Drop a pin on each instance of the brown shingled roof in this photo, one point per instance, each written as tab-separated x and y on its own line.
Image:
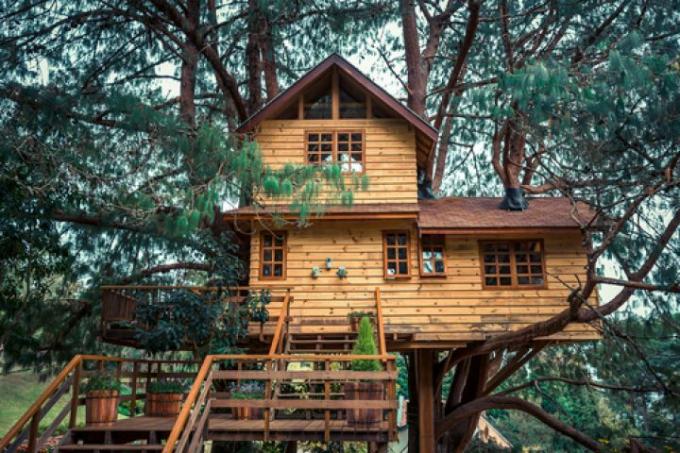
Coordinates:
483	212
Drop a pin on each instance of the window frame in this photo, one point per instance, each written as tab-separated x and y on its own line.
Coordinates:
513	264
397	260
284	235
334	147
421	261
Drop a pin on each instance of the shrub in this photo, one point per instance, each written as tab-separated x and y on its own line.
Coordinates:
365	345
101	381
165	386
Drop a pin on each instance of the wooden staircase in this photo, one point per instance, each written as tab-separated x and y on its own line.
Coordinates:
303	378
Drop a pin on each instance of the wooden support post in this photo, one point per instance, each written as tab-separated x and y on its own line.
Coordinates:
301	107
75	396
291	446
335	95
33	433
369	106
425	381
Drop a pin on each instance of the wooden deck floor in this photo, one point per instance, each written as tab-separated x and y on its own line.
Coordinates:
227	428
141	423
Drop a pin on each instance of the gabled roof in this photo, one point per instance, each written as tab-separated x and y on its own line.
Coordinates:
281	100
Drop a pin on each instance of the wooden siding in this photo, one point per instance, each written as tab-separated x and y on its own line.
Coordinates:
390	155
452	308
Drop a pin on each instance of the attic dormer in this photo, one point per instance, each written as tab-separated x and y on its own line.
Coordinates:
335	114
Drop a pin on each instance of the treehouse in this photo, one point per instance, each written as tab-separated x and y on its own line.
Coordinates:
432	274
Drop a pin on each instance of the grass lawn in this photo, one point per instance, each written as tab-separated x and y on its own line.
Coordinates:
19	391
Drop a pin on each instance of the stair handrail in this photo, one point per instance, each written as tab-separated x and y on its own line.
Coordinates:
380	322
283	319
32	414
189	402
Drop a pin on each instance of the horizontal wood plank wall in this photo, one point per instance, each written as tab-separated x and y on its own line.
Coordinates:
390	154
435	309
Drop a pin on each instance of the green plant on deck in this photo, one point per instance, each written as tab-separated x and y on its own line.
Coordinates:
360	314
365	345
102	382
257	305
166	386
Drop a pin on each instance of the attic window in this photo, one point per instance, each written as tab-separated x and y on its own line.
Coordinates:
352	101
513	264
318	101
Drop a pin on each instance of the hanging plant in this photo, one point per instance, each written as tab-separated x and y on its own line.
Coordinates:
342	272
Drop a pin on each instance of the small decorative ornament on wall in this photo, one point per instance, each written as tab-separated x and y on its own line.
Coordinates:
316	271
329	263
342	272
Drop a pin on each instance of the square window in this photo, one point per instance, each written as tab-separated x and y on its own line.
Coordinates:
518	263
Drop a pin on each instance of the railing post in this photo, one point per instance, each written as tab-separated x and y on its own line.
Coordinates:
392	396
75	396
326	397
133	401
33	434
269	367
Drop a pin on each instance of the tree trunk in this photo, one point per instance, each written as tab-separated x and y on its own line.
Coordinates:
187	104
412	408
416	80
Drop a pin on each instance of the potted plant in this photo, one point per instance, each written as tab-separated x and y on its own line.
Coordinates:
356	316
164	398
246	392
102	393
362	390
341	272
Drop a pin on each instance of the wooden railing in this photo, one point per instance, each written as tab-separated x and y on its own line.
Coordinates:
323	377
120	304
134	374
282	326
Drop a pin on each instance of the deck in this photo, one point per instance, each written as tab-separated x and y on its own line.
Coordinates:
295	392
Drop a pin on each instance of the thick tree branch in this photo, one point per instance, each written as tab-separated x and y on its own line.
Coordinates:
512	403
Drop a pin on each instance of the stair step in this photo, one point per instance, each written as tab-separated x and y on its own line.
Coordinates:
109	447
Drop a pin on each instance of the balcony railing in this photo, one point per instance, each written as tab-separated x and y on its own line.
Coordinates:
120	305
135	376
283	397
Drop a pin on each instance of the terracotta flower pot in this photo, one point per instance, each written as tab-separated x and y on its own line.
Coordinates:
101	406
247	413
163	404
364	391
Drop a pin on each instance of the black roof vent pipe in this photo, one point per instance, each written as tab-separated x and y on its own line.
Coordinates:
514	200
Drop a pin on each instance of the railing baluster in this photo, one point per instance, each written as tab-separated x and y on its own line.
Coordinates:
326	397
133	391
75	395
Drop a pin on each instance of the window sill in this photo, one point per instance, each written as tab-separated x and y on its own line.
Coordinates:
398	277
433	275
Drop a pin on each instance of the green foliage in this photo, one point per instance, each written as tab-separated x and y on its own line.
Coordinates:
101	381
166	386
365	345
360	314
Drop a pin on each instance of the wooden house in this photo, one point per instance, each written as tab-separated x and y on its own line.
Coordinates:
448	271
435	274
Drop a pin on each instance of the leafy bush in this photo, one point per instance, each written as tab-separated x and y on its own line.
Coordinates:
257	395
102	381
365	345
165	386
